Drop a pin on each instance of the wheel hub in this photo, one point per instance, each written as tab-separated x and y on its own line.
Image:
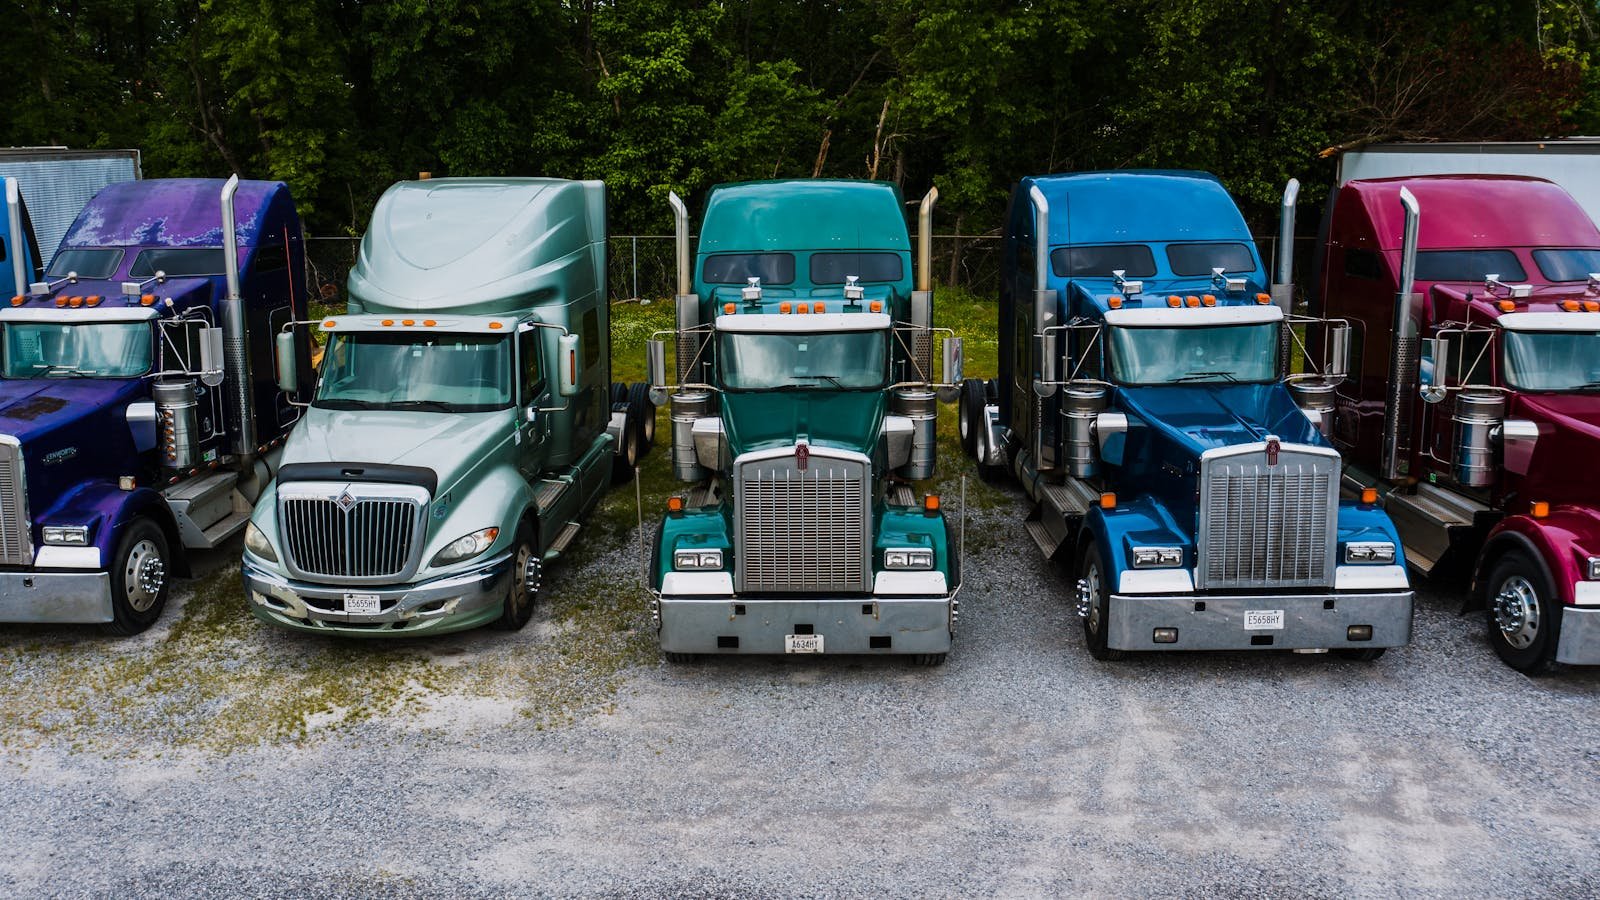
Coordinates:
145	576
1082	599
1516	612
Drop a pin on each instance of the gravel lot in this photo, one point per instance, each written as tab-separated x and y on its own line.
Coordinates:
213	756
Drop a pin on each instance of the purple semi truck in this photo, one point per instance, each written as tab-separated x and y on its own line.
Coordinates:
139	415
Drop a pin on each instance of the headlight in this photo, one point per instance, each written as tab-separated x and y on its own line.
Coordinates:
1369	552
1594	568
466	547
697	559
257	543
908	558
1157	557
67	535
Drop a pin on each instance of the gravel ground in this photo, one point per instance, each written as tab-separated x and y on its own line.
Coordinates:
215	757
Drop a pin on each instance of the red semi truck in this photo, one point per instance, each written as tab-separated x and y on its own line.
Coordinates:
1474	401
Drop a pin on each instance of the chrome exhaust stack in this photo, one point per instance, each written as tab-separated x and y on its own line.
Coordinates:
1283	281
19	244
922	297
235	343
1044	318
1402	351
685	302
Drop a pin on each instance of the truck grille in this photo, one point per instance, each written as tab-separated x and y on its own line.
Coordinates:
1268	525
16	538
346	536
802	530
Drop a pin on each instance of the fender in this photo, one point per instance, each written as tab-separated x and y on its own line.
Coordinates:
1557	541
108	509
1144	521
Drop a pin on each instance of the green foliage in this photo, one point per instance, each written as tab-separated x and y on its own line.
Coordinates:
339	99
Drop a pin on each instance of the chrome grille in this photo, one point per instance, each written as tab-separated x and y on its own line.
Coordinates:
1268	525
802	530
344	535
16	538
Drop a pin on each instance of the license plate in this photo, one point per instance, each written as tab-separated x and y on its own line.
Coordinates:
802	643
362	604
1263	619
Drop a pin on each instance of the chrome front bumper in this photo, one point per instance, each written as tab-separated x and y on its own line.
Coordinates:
1580	636
64	598
1310	621
451	603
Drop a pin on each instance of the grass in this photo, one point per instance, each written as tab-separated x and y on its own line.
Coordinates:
215	679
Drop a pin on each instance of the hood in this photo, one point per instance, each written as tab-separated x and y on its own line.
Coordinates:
451	444
1201	417
33	408
848	420
1569	430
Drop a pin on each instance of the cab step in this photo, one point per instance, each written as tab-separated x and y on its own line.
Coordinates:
226	528
1070	498
548	493
200	505
563	540
1428	520
1048	545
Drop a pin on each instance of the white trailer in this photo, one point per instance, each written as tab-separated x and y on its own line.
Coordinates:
57	182
1573	163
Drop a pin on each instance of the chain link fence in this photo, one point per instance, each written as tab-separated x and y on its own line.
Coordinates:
642	266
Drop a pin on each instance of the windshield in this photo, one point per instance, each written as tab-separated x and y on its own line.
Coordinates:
97	263
1568	265
56	350
1200	259
1216	353
831	268
444	373
738	268
1135	261
177	263
1468	265
852	360
1553	360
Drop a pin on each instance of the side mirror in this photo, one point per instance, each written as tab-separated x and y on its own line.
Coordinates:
1048	347
288	375
954	363
1432	371
568	376
655	363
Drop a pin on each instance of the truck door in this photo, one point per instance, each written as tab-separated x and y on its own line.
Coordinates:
532	393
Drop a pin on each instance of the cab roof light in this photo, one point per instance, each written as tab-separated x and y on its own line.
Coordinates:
62	302
428	323
18	300
1539	509
92	300
1192	301
819	308
801	308
784	307
1115	302
409	322
1209	300
1108	500
1591	306
730	308
1174	301
1569	305
1369	496
875	306
387	322
496	326
75	302
329	323
1507	306
147	300
1263	299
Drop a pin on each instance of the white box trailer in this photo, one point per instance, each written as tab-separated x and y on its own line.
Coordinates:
1573	163
57	182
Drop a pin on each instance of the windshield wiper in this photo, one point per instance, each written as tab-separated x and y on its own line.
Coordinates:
436	405
346	403
831	379
1196	376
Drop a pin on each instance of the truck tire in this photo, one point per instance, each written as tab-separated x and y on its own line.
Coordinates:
1524	613
619	393
140	578
679	659
969	415
526	580
1360	654
639	395
1092	578
928	659
628	455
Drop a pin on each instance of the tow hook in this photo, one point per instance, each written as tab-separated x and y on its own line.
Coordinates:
1081	602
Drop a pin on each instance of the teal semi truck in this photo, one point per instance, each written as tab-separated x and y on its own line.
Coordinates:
463	421
803	414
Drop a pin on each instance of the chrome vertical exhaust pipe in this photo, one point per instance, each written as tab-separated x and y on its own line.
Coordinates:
19	248
235	341
1283	281
1402	350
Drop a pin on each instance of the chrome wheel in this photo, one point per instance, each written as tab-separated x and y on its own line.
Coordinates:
1089	595
144	576
1517	612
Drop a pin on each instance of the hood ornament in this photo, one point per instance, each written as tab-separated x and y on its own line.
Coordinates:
802	455
1272	449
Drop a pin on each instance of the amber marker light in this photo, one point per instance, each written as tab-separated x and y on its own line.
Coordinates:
18	300
1192	301
876	306
784	307
495	326
147	300
1209	300
1569	305
1114	302
428	323
1369	496
1174	301
62	302
730	308
1507	306
329	324
931	503
409	322
801	308
1539	509
1591	305
1108	500
387	322
1263	299
93	300
674	504
75	302
818	307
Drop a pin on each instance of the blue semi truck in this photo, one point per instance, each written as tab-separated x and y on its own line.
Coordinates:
1174	462
139	415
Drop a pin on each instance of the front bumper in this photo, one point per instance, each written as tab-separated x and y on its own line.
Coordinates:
1580	636
453	602
63	598
860	624
1211	622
